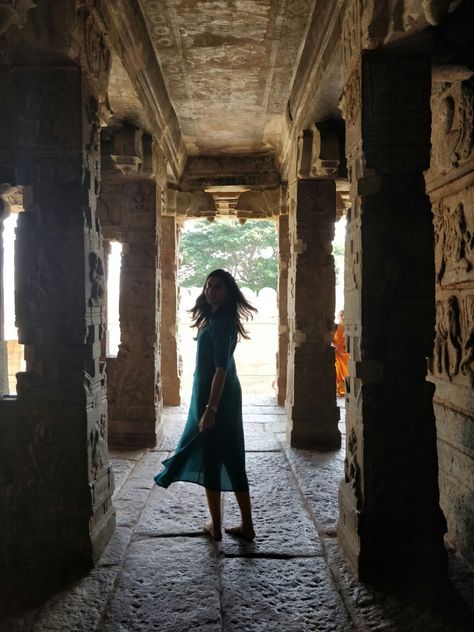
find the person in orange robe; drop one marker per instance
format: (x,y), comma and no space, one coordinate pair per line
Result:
(342,357)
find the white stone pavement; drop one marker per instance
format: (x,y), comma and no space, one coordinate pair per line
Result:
(161,572)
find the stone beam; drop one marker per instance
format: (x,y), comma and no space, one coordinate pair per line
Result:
(255,171)
(127,31)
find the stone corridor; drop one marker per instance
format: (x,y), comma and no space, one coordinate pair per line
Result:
(161,572)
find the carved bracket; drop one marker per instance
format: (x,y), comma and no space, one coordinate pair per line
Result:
(260,203)
(127,151)
(183,204)
(318,152)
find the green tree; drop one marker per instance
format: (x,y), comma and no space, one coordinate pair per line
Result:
(248,251)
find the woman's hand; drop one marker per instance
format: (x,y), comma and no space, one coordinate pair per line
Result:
(207,420)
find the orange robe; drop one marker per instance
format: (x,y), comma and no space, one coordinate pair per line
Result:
(342,360)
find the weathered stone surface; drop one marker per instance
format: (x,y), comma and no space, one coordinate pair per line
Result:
(122,469)
(389,507)
(311,396)
(182,509)
(238,69)
(319,475)
(294,595)
(167,584)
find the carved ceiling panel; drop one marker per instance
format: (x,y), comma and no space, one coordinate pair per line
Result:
(229,67)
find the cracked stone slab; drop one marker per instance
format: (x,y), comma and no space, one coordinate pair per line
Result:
(167,584)
(263,443)
(179,510)
(319,475)
(127,455)
(121,469)
(294,595)
(276,427)
(80,607)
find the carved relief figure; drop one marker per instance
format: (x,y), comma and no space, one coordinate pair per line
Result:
(453,134)
(448,344)
(97,279)
(352,469)
(454,248)
(467,361)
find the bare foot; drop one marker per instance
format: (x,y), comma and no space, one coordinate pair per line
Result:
(247,534)
(216,534)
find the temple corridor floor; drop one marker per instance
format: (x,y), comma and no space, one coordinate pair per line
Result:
(161,572)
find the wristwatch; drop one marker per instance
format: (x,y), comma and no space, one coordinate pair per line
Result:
(214,408)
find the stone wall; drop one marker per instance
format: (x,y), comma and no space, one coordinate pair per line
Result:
(450,183)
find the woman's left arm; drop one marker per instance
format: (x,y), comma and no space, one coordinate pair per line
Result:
(208,419)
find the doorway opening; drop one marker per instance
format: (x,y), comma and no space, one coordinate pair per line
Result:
(14,351)
(249,251)
(114,264)
(339,339)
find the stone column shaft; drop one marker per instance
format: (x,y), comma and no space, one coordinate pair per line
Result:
(56,506)
(390,519)
(170,373)
(128,213)
(311,399)
(283,260)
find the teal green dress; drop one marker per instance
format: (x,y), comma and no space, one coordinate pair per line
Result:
(214,458)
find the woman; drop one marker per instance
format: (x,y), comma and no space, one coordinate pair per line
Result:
(211,450)
(342,357)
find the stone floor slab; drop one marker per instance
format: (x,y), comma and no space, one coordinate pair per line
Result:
(296,595)
(319,475)
(179,510)
(121,469)
(167,584)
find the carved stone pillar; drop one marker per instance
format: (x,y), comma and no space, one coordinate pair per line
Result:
(55,478)
(128,213)
(390,520)
(283,260)
(450,183)
(170,374)
(311,394)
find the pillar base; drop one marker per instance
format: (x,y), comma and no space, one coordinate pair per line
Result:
(314,432)
(128,434)
(389,547)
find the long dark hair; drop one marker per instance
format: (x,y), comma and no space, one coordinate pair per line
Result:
(236,306)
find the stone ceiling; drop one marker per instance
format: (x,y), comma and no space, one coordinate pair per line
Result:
(228,66)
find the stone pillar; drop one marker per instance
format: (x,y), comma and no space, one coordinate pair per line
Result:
(283,260)
(450,183)
(390,522)
(56,484)
(311,394)
(170,374)
(128,213)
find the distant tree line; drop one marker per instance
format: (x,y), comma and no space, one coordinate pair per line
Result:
(248,251)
